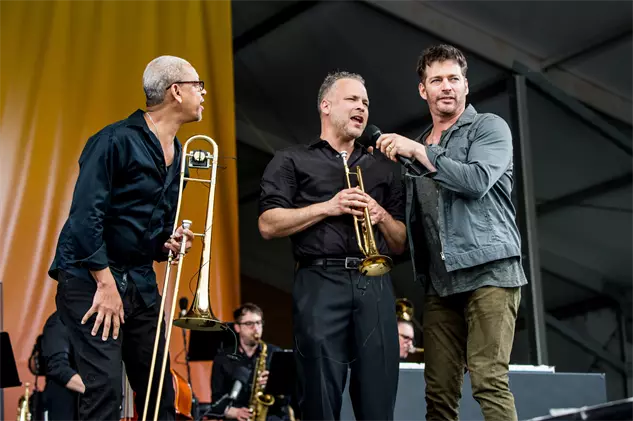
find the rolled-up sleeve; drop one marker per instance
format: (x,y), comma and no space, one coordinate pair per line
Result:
(278,185)
(394,202)
(56,351)
(91,201)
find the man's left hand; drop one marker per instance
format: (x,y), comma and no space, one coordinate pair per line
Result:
(263,378)
(392,144)
(377,213)
(175,241)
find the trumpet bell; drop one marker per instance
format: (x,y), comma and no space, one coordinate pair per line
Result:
(375,265)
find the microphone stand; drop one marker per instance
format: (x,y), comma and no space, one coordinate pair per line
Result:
(217,405)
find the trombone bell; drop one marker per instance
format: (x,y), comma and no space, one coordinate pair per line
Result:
(404,309)
(199,317)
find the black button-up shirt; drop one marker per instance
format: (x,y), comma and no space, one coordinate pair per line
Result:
(303,175)
(223,378)
(123,207)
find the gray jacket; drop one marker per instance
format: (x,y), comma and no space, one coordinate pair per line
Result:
(475,210)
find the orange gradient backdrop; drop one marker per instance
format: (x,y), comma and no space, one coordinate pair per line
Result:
(68,68)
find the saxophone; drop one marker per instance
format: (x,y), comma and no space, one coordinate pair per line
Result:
(24,412)
(260,402)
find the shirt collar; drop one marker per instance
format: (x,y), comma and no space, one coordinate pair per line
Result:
(320,143)
(137,119)
(467,117)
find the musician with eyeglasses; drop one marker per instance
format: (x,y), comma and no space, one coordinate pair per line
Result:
(343,319)
(407,338)
(120,222)
(249,326)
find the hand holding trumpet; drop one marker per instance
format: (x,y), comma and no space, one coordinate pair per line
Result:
(350,201)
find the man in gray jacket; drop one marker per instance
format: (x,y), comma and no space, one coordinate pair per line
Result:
(464,241)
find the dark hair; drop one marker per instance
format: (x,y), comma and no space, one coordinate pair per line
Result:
(442,52)
(331,79)
(247,308)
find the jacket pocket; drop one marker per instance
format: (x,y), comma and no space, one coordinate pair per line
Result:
(469,224)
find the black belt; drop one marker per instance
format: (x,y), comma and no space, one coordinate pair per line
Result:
(348,263)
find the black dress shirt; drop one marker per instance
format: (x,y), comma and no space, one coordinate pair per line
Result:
(303,175)
(222,379)
(123,207)
(61,402)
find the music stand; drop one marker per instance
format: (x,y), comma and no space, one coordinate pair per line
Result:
(205,345)
(281,380)
(8,370)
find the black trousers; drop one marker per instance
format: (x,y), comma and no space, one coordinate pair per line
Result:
(60,402)
(343,320)
(99,362)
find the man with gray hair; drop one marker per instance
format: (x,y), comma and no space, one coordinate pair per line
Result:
(120,222)
(343,317)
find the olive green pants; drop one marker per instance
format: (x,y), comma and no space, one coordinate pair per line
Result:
(473,331)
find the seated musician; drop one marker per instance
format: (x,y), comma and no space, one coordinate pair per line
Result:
(63,383)
(407,337)
(249,326)
(406,333)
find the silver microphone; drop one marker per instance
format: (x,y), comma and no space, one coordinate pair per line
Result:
(237,387)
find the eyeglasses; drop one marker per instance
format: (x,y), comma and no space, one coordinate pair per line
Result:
(406,338)
(252,324)
(200,84)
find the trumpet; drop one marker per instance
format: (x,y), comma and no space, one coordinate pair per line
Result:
(200,315)
(374,264)
(24,405)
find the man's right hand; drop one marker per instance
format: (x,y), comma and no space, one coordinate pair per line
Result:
(75,383)
(240,414)
(107,304)
(350,201)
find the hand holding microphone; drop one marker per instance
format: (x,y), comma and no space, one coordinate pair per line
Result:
(395,147)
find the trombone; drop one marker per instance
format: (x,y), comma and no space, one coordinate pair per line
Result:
(374,263)
(200,316)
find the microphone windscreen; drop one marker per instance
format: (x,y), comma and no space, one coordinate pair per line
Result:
(375,133)
(369,136)
(183,303)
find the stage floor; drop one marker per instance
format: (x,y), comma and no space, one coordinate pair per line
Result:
(536,390)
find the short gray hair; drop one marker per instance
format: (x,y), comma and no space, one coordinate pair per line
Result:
(331,79)
(159,74)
